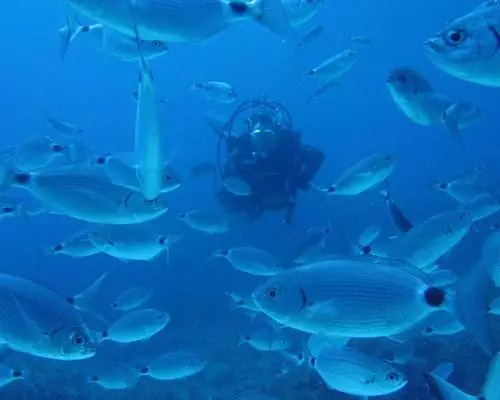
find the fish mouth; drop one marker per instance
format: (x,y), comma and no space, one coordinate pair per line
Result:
(433,46)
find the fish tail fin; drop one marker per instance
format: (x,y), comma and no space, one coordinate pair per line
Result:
(142,61)
(471,306)
(67,34)
(270,13)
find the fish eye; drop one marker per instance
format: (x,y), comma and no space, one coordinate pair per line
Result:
(8,210)
(58,247)
(57,148)
(392,377)
(100,160)
(168,177)
(272,293)
(455,36)
(156,43)
(428,329)
(78,340)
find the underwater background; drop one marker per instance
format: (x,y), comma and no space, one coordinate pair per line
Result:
(355,119)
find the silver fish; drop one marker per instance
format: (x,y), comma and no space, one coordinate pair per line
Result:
(468,47)
(363,175)
(86,195)
(370,297)
(148,139)
(77,245)
(299,12)
(205,222)
(37,321)
(132,298)
(251,260)
(220,92)
(414,95)
(335,66)
(427,242)
(175,365)
(120,378)
(182,20)
(110,41)
(137,325)
(350,371)
(136,242)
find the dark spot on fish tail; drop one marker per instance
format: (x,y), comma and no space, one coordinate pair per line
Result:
(224,252)
(305,301)
(22,178)
(58,247)
(247,338)
(240,302)
(70,300)
(435,297)
(238,7)
(94,378)
(144,370)
(114,304)
(85,28)
(105,334)
(17,373)
(443,186)
(331,189)
(100,160)
(162,240)
(57,148)
(313,361)
(8,210)
(428,330)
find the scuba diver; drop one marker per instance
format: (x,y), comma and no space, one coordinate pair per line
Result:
(267,155)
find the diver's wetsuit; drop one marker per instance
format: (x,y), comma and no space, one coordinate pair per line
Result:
(274,178)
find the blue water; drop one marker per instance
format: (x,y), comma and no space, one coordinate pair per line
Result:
(355,119)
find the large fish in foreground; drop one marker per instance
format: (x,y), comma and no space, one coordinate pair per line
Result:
(148,137)
(371,297)
(468,47)
(182,20)
(37,321)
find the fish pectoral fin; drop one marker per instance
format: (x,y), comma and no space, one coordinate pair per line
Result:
(326,308)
